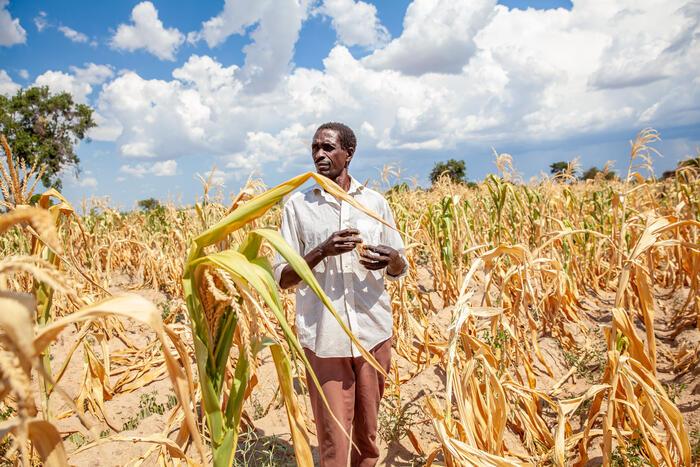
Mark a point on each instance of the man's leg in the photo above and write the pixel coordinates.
(337, 379)
(369, 389)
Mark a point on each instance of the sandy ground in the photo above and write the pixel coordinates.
(269, 443)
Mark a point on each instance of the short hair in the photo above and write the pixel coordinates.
(345, 133)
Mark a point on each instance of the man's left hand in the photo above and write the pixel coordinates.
(380, 257)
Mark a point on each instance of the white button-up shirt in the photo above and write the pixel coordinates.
(358, 294)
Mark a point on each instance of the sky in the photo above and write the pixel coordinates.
(181, 87)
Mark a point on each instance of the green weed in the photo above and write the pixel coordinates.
(147, 407)
(395, 419)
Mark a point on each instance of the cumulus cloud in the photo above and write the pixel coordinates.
(147, 32)
(7, 86)
(277, 24)
(79, 83)
(527, 76)
(11, 32)
(438, 36)
(72, 34)
(356, 23)
(283, 148)
(159, 169)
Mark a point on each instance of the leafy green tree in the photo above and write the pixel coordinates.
(558, 168)
(148, 204)
(454, 169)
(591, 173)
(43, 127)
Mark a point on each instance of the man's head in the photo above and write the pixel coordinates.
(332, 149)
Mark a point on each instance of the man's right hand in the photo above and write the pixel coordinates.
(340, 242)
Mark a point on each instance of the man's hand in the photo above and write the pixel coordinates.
(340, 242)
(382, 256)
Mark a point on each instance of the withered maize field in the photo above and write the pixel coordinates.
(551, 322)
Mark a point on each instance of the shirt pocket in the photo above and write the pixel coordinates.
(313, 236)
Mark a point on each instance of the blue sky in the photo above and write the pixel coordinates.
(180, 87)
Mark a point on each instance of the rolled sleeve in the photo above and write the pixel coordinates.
(290, 233)
(392, 238)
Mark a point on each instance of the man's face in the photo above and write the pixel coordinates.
(328, 154)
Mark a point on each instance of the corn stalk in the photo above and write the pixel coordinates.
(213, 332)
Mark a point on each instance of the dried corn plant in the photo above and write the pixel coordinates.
(222, 289)
(24, 341)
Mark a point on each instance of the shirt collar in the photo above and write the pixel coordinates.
(355, 187)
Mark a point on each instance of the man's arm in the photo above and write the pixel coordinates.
(338, 243)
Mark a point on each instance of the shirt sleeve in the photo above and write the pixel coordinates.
(290, 232)
(392, 238)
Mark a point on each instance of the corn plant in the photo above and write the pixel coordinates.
(214, 328)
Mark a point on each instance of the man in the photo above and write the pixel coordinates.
(326, 232)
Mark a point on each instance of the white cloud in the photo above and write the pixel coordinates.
(355, 22)
(40, 21)
(159, 169)
(438, 36)
(73, 178)
(87, 182)
(277, 24)
(72, 34)
(11, 32)
(164, 168)
(521, 76)
(24, 74)
(7, 86)
(288, 145)
(147, 32)
(79, 83)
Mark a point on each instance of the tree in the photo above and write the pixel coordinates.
(454, 169)
(558, 168)
(148, 204)
(694, 162)
(591, 173)
(43, 128)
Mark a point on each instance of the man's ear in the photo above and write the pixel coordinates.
(351, 152)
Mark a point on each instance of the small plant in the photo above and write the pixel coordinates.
(395, 419)
(165, 310)
(589, 364)
(674, 390)
(496, 341)
(695, 445)
(172, 401)
(258, 410)
(263, 451)
(629, 456)
(6, 413)
(147, 407)
(582, 410)
(5, 442)
(77, 438)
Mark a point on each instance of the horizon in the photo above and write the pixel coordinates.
(178, 88)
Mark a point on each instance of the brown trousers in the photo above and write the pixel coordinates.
(353, 390)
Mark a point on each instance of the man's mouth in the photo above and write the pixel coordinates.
(323, 166)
